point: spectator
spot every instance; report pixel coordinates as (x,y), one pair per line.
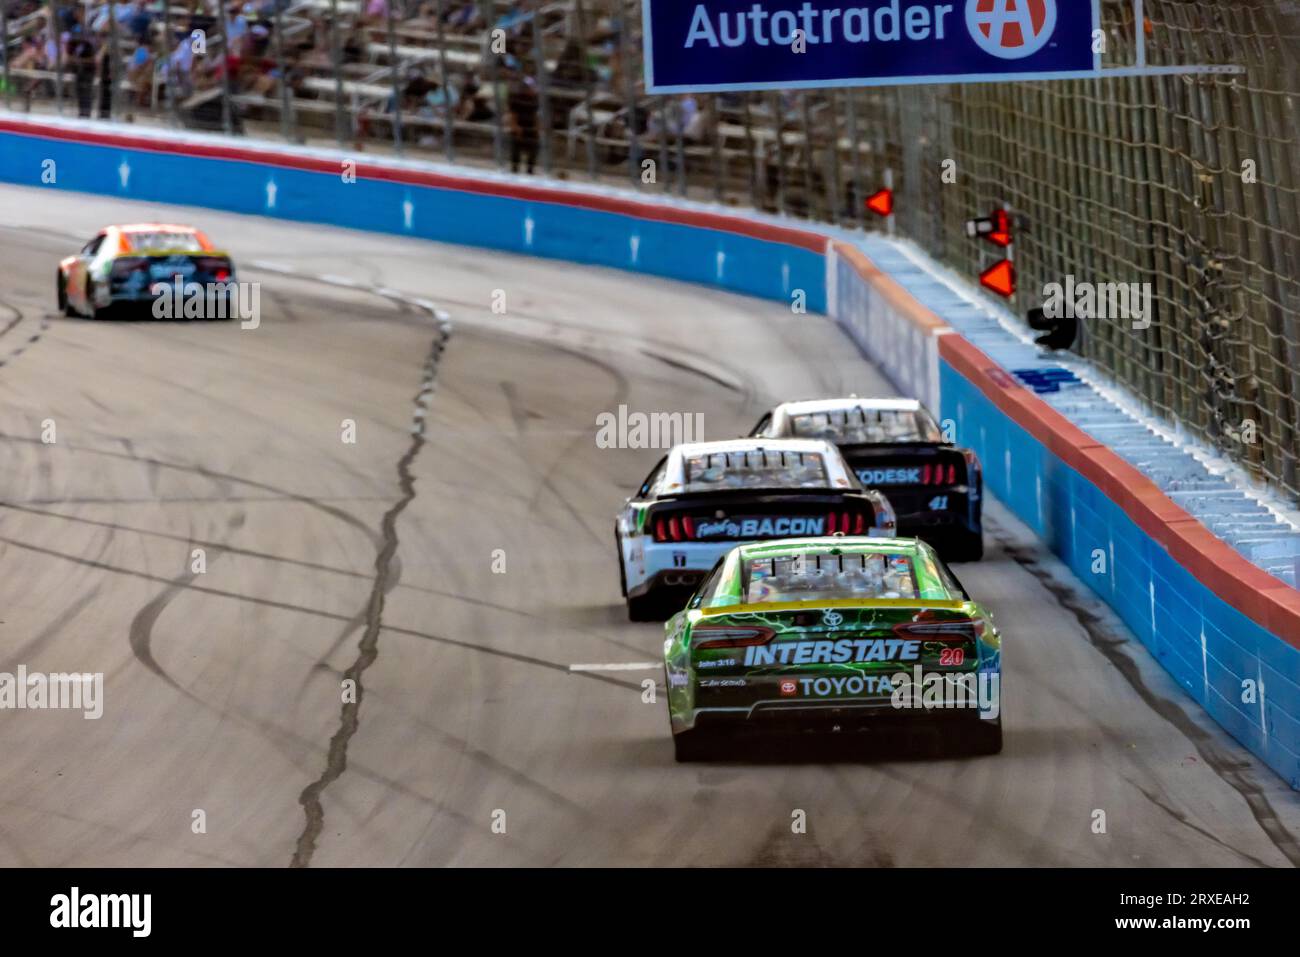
(473,106)
(139,75)
(238,38)
(138,21)
(427,17)
(521,123)
(79,56)
(107,75)
(465,17)
(180,67)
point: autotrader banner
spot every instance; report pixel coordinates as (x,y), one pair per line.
(763,44)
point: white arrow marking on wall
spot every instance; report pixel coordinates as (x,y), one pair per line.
(635,242)
(124,173)
(271,190)
(408,212)
(722,258)
(528,229)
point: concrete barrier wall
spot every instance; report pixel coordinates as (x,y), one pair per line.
(606,229)
(889,328)
(1228,632)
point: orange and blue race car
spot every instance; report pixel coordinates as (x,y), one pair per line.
(137,264)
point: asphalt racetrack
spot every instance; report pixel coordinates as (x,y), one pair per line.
(382,560)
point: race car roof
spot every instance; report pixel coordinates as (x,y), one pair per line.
(930,584)
(838,474)
(849,543)
(125,236)
(813,406)
(155,228)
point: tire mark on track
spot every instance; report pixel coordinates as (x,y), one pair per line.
(294,562)
(219,478)
(557,666)
(31,340)
(1182,819)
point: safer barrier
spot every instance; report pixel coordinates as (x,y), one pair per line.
(1229,633)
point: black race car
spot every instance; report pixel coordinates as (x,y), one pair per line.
(894,445)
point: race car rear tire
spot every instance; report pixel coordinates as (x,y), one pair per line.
(61,290)
(965,546)
(93,311)
(985,737)
(694,745)
(622,571)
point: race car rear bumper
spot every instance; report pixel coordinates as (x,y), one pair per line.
(810,701)
(672,564)
(832,720)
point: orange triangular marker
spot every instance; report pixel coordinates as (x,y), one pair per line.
(1001,235)
(1001,278)
(881,202)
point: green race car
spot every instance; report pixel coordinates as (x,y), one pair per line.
(833,635)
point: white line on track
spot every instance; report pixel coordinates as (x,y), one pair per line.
(620,666)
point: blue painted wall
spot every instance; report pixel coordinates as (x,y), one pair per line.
(757,267)
(1209,647)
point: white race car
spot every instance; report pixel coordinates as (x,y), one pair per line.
(704,498)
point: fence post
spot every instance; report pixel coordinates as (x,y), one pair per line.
(395,71)
(114,56)
(774,103)
(851,118)
(543,93)
(449,113)
(715,102)
(56,39)
(227,117)
(336,62)
(589,83)
(751,159)
(810,210)
(4,37)
(494,77)
(629,86)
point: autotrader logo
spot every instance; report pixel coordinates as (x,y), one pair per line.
(1011,29)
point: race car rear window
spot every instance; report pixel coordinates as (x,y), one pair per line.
(862,426)
(183,242)
(822,576)
(755,468)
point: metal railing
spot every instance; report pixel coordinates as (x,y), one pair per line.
(1186,185)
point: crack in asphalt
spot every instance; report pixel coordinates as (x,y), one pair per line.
(368,647)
